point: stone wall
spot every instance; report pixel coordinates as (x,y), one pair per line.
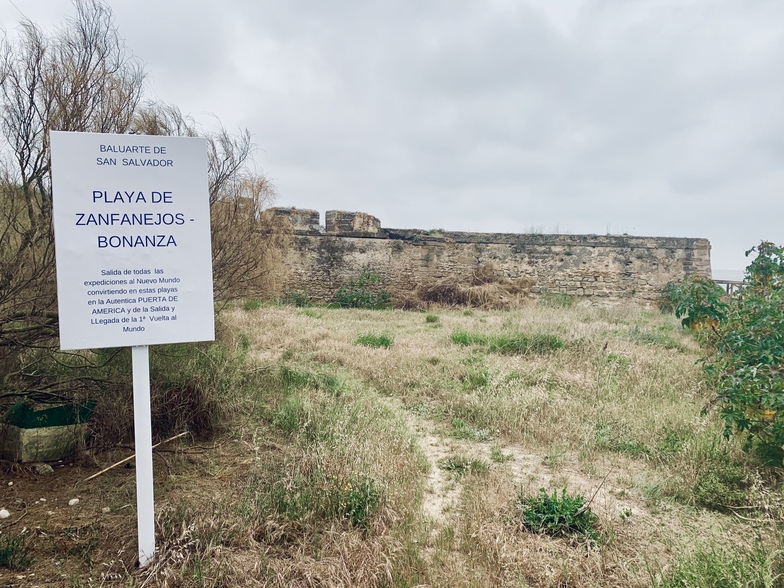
(607,268)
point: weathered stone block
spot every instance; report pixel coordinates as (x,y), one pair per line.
(301,219)
(347,223)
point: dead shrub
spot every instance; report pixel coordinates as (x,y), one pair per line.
(488,288)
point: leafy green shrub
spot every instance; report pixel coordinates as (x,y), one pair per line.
(511,344)
(373,340)
(696,300)
(365,291)
(714,567)
(15,552)
(559,516)
(746,370)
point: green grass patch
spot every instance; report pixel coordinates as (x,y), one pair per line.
(721,485)
(462,430)
(460,466)
(612,436)
(556,299)
(374,340)
(252,304)
(297,299)
(298,379)
(510,344)
(498,456)
(662,338)
(431,318)
(717,567)
(319,497)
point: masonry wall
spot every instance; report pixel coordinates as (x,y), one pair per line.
(606,268)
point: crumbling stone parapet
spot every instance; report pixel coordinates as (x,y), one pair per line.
(339,222)
(301,219)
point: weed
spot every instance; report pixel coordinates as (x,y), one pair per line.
(671,443)
(647,337)
(373,340)
(15,552)
(513,344)
(252,304)
(309,312)
(431,318)
(294,380)
(358,501)
(460,466)
(297,299)
(616,437)
(321,497)
(564,516)
(498,456)
(556,299)
(475,377)
(721,485)
(555,458)
(461,430)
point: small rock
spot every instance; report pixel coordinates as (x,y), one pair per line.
(73,501)
(41,469)
(10,483)
(106,510)
(4,514)
(42,499)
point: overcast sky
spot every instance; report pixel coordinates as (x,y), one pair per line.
(646,117)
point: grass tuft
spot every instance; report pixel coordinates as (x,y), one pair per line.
(462,430)
(558,516)
(711,567)
(15,553)
(374,340)
(460,466)
(512,344)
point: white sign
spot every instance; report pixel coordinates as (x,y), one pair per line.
(132,240)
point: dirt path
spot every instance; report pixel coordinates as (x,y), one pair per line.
(604,488)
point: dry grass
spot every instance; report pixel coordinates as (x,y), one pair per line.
(613,415)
